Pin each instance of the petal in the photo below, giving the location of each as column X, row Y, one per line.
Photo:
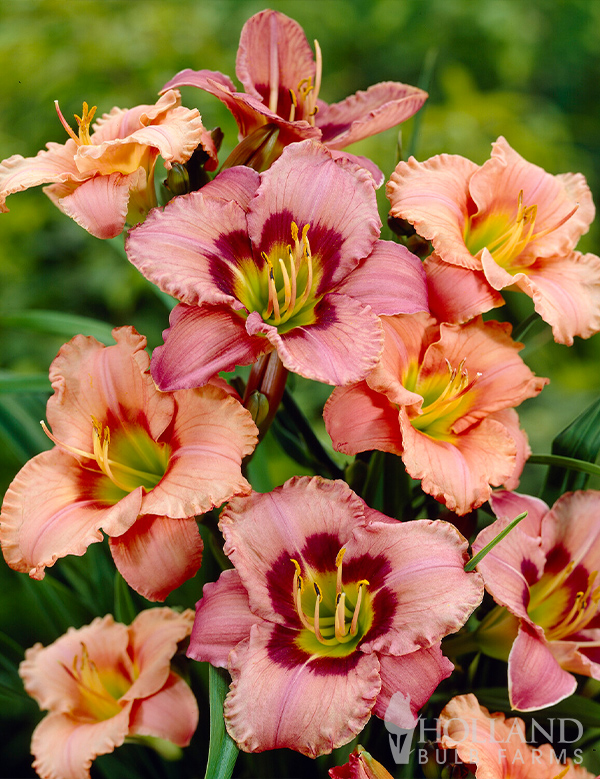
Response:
column 100, row 204
column 535, row 679
column 457, row 294
column 157, row 554
column 508, row 505
column 414, row 677
column 307, row 186
column 200, row 342
column 49, row 512
column 311, row 705
column 433, row 196
column 362, row 162
column 212, row 433
column 263, row 532
column 510, row 419
column 341, row 347
column 64, row 748
column 171, row 713
column 223, row 620
column 420, row 592
column 573, row 523
column 363, row 114
column 404, row 291
column 359, row 419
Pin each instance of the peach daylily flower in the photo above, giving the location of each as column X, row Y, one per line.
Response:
column 442, row 397
column 105, row 682
column 496, row 748
column 129, row 460
column 505, row 224
column 106, row 179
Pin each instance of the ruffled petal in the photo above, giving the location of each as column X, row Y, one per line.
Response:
column 312, row 705
column 363, row 114
column 200, row 342
column 223, row 620
column 404, row 291
column 171, row 713
column 100, row 204
column 413, row 677
column 508, row 505
column 157, row 554
column 341, row 347
column 573, row 523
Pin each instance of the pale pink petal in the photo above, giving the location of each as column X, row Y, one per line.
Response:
column 362, row 162
column 264, row 531
column 153, row 636
column 193, row 247
column 508, row 505
column 574, row 524
column 404, row 291
column 341, row 347
column 363, row 114
column 457, row 294
column 64, row 748
column 312, row 705
column 308, row 187
column 535, row 679
column 359, row 419
column 157, row 554
column 510, row 419
column 50, row 511
column 414, row 676
column 461, row 473
column 121, row 122
column 212, row 433
column 420, row 599
column 566, row 294
column 200, row 342
column 171, row 713
column 100, row 204
column 198, row 78
column 434, row 197
column 223, row 620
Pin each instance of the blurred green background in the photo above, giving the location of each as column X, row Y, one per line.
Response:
column 527, row 70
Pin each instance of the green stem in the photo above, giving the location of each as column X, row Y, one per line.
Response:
column 476, row 559
column 521, row 329
column 565, row 462
column 373, row 476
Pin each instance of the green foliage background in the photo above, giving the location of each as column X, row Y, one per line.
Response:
column 527, row 70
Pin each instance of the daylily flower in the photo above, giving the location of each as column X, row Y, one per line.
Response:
column 287, row 260
column 103, row 683
column 442, row 398
column 106, row 179
column 543, row 578
column 496, row 748
column 360, row 765
column 129, row 460
column 332, row 608
column 505, row 224
column 282, row 79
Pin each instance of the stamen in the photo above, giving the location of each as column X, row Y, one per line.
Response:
column 287, row 287
column 338, row 565
column 273, row 68
column 318, row 73
column 293, row 106
column 354, row 624
column 340, row 615
column 298, row 588
column 84, row 124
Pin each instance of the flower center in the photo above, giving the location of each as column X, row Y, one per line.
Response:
column 99, row 690
column 444, row 401
column 552, row 606
column 83, row 122
column 303, row 100
column 334, row 614
column 505, row 237
column 137, row 460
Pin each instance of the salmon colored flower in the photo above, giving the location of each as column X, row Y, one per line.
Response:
column 332, row 608
column 103, row 683
column 360, row 765
column 287, row 260
column 496, row 748
column 106, row 179
column 543, row 576
column 282, row 79
column 442, row 398
column 129, row 460
column 505, row 224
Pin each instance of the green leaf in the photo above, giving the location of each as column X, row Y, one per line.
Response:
column 15, row 382
column 19, row 429
column 222, row 751
column 125, row 610
column 581, row 441
column 57, row 323
column 476, row 559
column 576, row 707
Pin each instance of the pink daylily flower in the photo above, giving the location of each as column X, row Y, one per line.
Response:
column 505, row 224
column 105, row 682
column 442, row 398
column 332, row 608
column 496, row 748
column 287, row 260
column 106, row 179
column 281, row 79
column 360, row 765
column 133, row 462
column 543, row 578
